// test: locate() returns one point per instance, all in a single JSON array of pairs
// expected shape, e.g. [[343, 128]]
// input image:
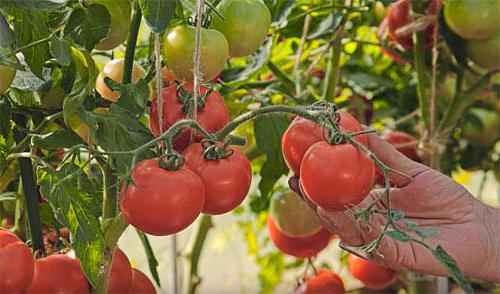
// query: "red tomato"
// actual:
[[212, 117], [58, 273], [162, 202], [168, 77], [141, 284], [303, 133], [335, 177], [372, 275], [16, 264], [300, 247], [398, 16], [226, 181], [325, 281], [121, 277]]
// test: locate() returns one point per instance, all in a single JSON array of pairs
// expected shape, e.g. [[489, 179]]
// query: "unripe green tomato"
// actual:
[[473, 19], [7, 75], [379, 11], [292, 215], [120, 11], [485, 135], [245, 25], [114, 70], [485, 53], [178, 50]]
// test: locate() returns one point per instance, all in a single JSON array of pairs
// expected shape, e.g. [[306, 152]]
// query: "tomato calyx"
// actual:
[[206, 18], [171, 161], [185, 97], [214, 151]]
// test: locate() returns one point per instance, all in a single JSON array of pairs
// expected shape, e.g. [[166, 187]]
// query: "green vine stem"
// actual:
[[131, 44], [152, 262], [194, 253], [110, 192], [28, 181], [332, 70]]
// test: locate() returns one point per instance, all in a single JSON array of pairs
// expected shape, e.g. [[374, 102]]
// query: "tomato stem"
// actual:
[[131, 44]]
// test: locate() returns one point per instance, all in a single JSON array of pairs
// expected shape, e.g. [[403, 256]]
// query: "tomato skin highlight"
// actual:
[[14, 279], [335, 177], [178, 50], [303, 133], [121, 276], [371, 274], [227, 181], [398, 16], [325, 281], [58, 273], [114, 70], [162, 202], [141, 284], [245, 25], [302, 247], [212, 117]]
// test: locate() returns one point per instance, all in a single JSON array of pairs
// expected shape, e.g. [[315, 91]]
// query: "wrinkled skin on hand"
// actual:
[[466, 227]]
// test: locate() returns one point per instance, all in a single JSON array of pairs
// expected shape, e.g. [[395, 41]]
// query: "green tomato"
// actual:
[[485, 53], [473, 19], [245, 25], [120, 11], [379, 11], [7, 75], [292, 215], [487, 133], [178, 50]]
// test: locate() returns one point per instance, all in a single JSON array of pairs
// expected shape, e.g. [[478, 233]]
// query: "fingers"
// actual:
[[395, 160]]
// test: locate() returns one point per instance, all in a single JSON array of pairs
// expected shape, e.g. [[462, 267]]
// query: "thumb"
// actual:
[[394, 159]]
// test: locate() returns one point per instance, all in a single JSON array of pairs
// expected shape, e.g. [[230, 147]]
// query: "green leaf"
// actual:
[[87, 27], [268, 130], [77, 210], [452, 267], [157, 13], [7, 36], [424, 233], [31, 26], [27, 81], [58, 139], [411, 225], [325, 27], [34, 4], [61, 50], [398, 235], [133, 97]]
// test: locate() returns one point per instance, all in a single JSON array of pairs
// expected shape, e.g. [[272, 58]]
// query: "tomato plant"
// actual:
[[120, 22], [475, 20], [323, 281], [485, 53], [178, 51], [292, 216], [226, 176], [245, 25], [7, 76], [372, 275], [183, 201], [212, 113], [58, 273], [17, 262], [483, 129], [114, 70], [300, 247]]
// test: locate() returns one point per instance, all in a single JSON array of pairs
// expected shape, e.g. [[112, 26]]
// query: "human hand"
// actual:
[[465, 226]]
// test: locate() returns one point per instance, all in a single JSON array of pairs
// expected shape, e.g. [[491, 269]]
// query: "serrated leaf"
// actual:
[[58, 139], [133, 97], [34, 4], [27, 81], [157, 13], [31, 26], [452, 267], [87, 27], [268, 130], [61, 50], [398, 235], [77, 210]]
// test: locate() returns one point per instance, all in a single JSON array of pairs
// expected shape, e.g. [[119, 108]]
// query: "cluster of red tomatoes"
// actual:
[[60, 273]]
